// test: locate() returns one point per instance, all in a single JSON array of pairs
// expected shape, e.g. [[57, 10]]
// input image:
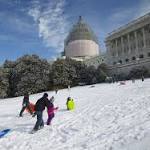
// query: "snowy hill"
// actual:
[[107, 117]]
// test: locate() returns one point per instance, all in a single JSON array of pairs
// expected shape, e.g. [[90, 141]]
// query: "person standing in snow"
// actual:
[[70, 103], [51, 110], [25, 104], [39, 108], [142, 78], [56, 90]]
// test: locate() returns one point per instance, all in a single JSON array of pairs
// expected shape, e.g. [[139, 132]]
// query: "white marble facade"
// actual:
[[82, 48], [130, 45]]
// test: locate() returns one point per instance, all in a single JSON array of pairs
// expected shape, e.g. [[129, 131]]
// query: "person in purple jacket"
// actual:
[[51, 109]]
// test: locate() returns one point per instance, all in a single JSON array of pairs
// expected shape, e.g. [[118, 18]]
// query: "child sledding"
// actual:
[[38, 108]]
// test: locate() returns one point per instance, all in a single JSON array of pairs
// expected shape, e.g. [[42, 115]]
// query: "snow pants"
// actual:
[[39, 123], [50, 117]]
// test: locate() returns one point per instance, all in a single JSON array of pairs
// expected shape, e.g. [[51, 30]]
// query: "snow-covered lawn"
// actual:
[[107, 117]]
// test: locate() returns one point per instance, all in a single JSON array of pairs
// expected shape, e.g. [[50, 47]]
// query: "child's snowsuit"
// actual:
[[70, 104], [51, 114]]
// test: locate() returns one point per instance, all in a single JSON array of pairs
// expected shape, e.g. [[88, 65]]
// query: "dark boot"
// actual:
[[21, 112]]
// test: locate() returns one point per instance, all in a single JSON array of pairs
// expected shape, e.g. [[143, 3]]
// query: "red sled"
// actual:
[[31, 107]]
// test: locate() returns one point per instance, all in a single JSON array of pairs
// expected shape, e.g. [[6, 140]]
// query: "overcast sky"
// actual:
[[40, 26]]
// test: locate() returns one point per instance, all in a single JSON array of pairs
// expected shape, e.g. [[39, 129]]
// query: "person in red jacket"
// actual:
[[51, 109]]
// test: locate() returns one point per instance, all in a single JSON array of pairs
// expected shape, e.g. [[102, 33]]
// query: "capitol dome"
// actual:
[[81, 41]]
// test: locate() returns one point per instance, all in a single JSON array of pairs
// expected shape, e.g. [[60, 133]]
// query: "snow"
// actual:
[[106, 117]]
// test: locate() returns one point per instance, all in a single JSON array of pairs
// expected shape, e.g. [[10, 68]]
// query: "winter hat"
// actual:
[[69, 98], [45, 95], [52, 99]]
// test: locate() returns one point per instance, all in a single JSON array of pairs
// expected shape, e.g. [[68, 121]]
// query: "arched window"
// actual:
[[120, 61]]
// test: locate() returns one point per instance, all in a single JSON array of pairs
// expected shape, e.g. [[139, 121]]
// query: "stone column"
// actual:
[[109, 50], [129, 45], [136, 42], [144, 39], [122, 45], [117, 50]]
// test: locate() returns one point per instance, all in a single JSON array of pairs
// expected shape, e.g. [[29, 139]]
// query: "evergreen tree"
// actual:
[[4, 82], [91, 75], [80, 72], [64, 73], [29, 74], [101, 73], [9, 66]]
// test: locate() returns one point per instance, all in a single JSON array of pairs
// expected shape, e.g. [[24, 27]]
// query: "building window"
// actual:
[[120, 61], [114, 63], [127, 60], [148, 54], [141, 56], [133, 58]]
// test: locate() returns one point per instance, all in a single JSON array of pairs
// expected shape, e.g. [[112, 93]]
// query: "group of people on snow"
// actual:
[[39, 107]]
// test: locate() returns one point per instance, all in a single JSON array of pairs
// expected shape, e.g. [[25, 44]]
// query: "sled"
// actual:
[[4, 132], [31, 107]]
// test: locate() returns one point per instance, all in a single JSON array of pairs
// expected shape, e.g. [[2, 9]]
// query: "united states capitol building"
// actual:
[[129, 46], [82, 44]]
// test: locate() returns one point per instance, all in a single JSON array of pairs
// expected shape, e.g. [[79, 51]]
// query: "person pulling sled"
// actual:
[[25, 105], [39, 108]]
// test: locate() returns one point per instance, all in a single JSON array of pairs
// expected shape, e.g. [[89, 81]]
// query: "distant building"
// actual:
[[95, 61], [81, 43], [129, 46]]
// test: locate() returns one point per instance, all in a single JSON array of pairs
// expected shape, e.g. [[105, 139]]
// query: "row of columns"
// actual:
[[129, 43]]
